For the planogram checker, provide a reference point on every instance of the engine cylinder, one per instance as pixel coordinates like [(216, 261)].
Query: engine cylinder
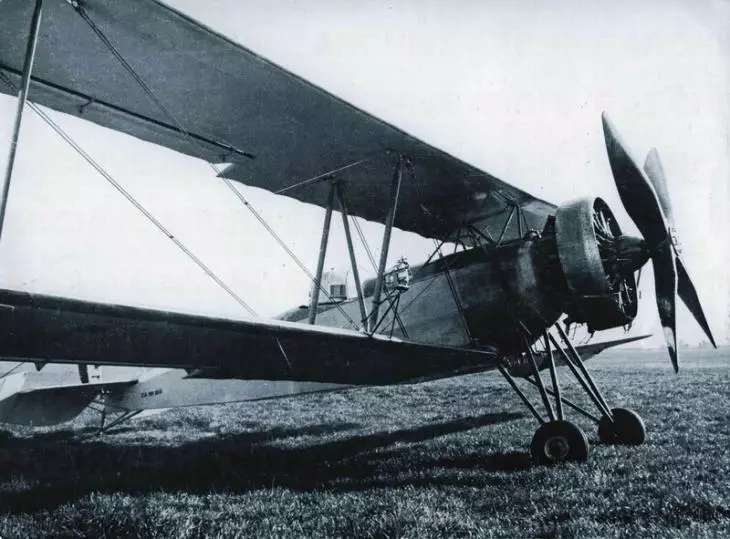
[(599, 295)]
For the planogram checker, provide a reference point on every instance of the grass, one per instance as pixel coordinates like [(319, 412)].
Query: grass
[(441, 459)]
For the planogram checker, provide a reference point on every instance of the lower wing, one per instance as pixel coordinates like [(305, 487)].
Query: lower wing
[(38, 327)]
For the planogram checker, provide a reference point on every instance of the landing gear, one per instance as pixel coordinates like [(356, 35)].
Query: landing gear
[(627, 428), (559, 441), (125, 416)]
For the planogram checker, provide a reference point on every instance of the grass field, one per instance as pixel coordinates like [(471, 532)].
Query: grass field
[(442, 459)]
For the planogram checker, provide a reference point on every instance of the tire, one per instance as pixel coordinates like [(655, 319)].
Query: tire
[(559, 441), (627, 428)]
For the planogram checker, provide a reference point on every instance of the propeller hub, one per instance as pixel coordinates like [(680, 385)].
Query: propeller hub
[(628, 255)]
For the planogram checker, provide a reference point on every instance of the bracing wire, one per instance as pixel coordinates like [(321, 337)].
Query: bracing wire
[(228, 183), (286, 248), (133, 201), (364, 243), (82, 13), (326, 175), (141, 208)]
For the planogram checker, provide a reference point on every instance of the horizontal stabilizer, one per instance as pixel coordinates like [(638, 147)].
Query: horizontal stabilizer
[(587, 351), (24, 400), (167, 388)]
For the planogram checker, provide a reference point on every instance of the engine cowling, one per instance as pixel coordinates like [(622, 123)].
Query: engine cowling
[(593, 257)]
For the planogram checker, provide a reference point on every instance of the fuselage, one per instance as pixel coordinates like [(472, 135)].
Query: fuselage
[(478, 297)]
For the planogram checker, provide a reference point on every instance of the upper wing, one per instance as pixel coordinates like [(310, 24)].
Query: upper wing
[(277, 129), (62, 330)]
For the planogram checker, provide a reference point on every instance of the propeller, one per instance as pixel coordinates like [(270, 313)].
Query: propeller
[(685, 288), (646, 199)]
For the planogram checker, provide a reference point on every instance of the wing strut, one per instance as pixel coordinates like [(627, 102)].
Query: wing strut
[(353, 259), (314, 301), (390, 218), (30, 48)]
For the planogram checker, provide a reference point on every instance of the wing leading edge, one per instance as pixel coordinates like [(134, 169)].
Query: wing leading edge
[(235, 105), (71, 331)]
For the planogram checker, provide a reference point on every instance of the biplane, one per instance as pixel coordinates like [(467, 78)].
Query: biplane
[(508, 270)]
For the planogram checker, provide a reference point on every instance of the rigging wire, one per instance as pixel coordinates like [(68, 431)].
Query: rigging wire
[(326, 175), (133, 201), (82, 13), (372, 258), (142, 209), (196, 145), (364, 243), (286, 248)]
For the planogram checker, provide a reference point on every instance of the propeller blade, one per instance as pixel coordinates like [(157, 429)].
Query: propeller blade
[(665, 283), (635, 189), (687, 292), (655, 171), (84, 373), (646, 199)]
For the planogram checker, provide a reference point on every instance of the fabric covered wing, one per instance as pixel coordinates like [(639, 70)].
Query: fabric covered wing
[(61, 330), (277, 129)]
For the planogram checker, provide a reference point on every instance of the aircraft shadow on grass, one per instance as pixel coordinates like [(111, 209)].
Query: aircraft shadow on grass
[(68, 466)]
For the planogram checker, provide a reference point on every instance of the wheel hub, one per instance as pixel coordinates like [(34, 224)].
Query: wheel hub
[(557, 448), (559, 441)]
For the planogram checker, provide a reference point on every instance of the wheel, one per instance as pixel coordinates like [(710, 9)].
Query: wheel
[(559, 441), (627, 428)]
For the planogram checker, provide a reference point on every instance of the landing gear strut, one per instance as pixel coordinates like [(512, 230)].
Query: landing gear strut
[(557, 440)]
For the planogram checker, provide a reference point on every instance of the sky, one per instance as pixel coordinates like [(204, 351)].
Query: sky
[(516, 88)]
